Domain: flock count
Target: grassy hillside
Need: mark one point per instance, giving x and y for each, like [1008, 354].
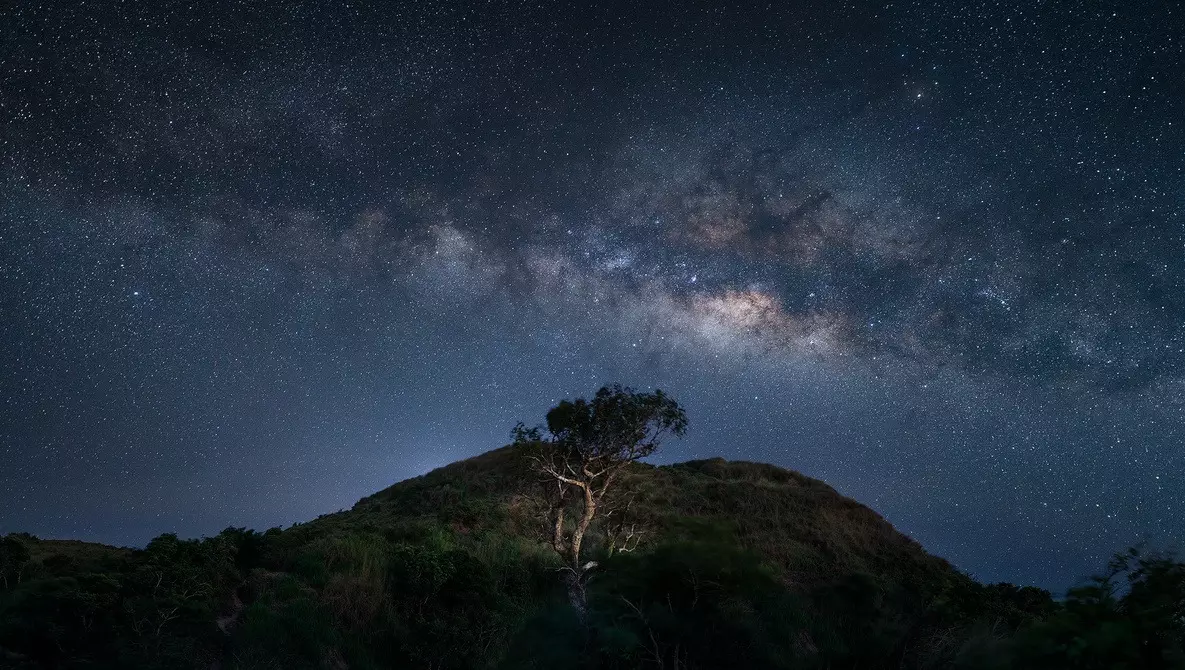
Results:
[799, 525]
[743, 565]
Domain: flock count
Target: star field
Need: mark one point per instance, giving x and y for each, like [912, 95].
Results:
[258, 261]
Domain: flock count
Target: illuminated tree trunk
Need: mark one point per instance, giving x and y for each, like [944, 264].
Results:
[577, 571]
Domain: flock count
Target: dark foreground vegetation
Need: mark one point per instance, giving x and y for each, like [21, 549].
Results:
[706, 564]
[753, 567]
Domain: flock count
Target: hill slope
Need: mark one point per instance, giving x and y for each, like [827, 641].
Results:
[798, 524]
[743, 563]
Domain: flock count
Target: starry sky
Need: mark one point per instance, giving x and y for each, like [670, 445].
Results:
[258, 260]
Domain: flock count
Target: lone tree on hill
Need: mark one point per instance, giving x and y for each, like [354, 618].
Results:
[580, 453]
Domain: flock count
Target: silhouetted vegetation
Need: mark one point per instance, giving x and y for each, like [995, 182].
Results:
[744, 566]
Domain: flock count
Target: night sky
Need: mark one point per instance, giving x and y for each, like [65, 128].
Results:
[260, 260]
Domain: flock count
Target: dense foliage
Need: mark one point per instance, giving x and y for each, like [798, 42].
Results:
[749, 566]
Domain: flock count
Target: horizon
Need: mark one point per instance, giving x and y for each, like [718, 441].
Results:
[140, 545]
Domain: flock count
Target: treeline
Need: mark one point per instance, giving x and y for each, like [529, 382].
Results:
[435, 594]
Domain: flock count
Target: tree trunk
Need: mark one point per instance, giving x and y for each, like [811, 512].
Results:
[590, 510]
[577, 595]
[577, 573]
[557, 541]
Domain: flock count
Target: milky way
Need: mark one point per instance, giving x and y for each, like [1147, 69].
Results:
[259, 261]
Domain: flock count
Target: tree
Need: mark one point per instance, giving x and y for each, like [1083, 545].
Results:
[14, 555]
[581, 452]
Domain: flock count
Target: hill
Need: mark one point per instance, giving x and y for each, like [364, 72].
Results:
[742, 565]
[799, 525]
